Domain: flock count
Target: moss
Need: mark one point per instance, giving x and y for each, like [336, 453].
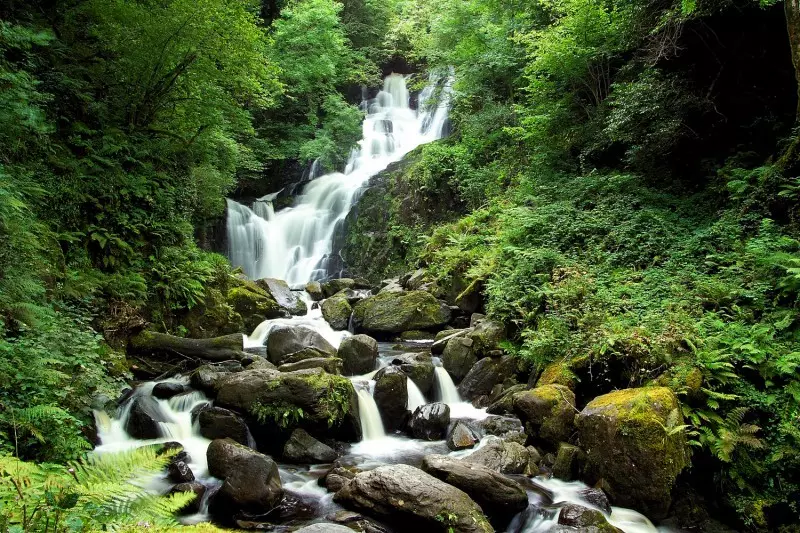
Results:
[336, 310]
[558, 374]
[337, 396]
[391, 312]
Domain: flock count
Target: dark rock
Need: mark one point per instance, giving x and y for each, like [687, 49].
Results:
[503, 403]
[331, 365]
[569, 460]
[195, 487]
[443, 337]
[485, 374]
[548, 413]
[205, 378]
[251, 480]
[358, 354]
[285, 340]
[168, 389]
[503, 457]
[144, 418]
[406, 495]
[391, 396]
[336, 311]
[495, 493]
[254, 304]
[413, 280]
[459, 357]
[338, 478]
[302, 448]
[392, 312]
[219, 423]
[429, 422]
[461, 437]
[597, 498]
[584, 519]
[419, 369]
[179, 472]
[500, 425]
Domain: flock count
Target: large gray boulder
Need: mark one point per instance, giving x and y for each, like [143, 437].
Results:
[429, 422]
[219, 423]
[497, 495]
[419, 369]
[485, 374]
[391, 396]
[251, 482]
[302, 448]
[358, 354]
[503, 456]
[284, 341]
[336, 310]
[283, 295]
[395, 312]
[408, 497]
[314, 289]
[459, 357]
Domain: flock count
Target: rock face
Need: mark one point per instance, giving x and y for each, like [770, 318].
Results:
[328, 402]
[495, 493]
[459, 357]
[219, 423]
[419, 369]
[251, 480]
[395, 312]
[408, 497]
[548, 413]
[284, 341]
[485, 374]
[503, 457]
[144, 418]
[391, 396]
[358, 353]
[336, 310]
[429, 422]
[283, 295]
[461, 437]
[302, 448]
[627, 446]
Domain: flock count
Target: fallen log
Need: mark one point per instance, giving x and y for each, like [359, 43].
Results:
[161, 345]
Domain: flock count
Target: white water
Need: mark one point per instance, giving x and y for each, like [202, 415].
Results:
[446, 390]
[293, 243]
[371, 423]
[415, 396]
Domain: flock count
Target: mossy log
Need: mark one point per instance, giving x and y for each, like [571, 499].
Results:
[153, 344]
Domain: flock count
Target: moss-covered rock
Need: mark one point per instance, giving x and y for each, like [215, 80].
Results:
[548, 413]
[629, 445]
[395, 312]
[281, 293]
[254, 304]
[557, 373]
[485, 375]
[459, 357]
[359, 353]
[336, 310]
[391, 396]
[213, 317]
[331, 287]
[314, 289]
[419, 369]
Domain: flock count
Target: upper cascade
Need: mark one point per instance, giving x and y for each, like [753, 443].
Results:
[294, 243]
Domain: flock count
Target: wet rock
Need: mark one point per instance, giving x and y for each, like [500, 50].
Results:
[205, 378]
[597, 498]
[331, 287]
[323, 527]
[336, 310]
[548, 413]
[626, 446]
[459, 357]
[392, 312]
[251, 480]
[391, 396]
[569, 461]
[485, 374]
[429, 422]
[503, 457]
[503, 403]
[443, 337]
[501, 425]
[331, 365]
[338, 478]
[358, 354]
[461, 437]
[406, 495]
[144, 418]
[179, 472]
[166, 390]
[195, 487]
[283, 295]
[219, 423]
[314, 289]
[585, 519]
[254, 304]
[284, 341]
[419, 369]
[302, 448]
[497, 495]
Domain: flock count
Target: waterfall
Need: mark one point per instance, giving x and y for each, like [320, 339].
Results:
[446, 390]
[294, 244]
[415, 396]
[371, 424]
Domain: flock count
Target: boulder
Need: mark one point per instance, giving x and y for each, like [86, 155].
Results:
[429, 422]
[328, 403]
[485, 374]
[251, 482]
[331, 365]
[395, 312]
[503, 404]
[302, 448]
[179, 472]
[414, 280]
[195, 487]
[338, 477]
[168, 389]
[419, 369]
[324, 527]
[557, 373]
[391, 396]
[569, 462]
[283, 295]
[501, 425]
[443, 337]
[254, 304]
[548, 413]
[358, 354]
[503, 457]
[497, 495]
[314, 289]
[392, 287]
[144, 418]
[408, 497]
[627, 445]
[597, 498]
[219, 423]
[459, 357]
[331, 287]
[584, 519]
[461, 437]
[205, 377]
[487, 336]
[336, 310]
[284, 340]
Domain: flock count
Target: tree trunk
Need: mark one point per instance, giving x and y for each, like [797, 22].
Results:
[792, 10]
[161, 345]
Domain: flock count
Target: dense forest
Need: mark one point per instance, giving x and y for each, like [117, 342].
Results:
[619, 190]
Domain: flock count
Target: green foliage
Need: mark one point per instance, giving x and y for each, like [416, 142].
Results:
[284, 414]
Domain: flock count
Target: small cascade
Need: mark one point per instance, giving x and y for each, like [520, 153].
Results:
[446, 390]
[371, 423]
[415, 396]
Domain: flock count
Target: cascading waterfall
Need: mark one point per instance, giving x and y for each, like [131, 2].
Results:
[446, 390]
[415, 396]
[293, 244]
[371, 423]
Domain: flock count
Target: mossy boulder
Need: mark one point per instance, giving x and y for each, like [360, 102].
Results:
[391, 396]
[254, 304]
[314, 289]
[459, 357]
[359, 354]
[630, 447]
[336, 310]
[283, 295]
[573, 517]
[547, 412]
[557, 373]
[395, 312]
[213, 317]
[485, 375]
[419, 369]
[286, 341]
[331, 287]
